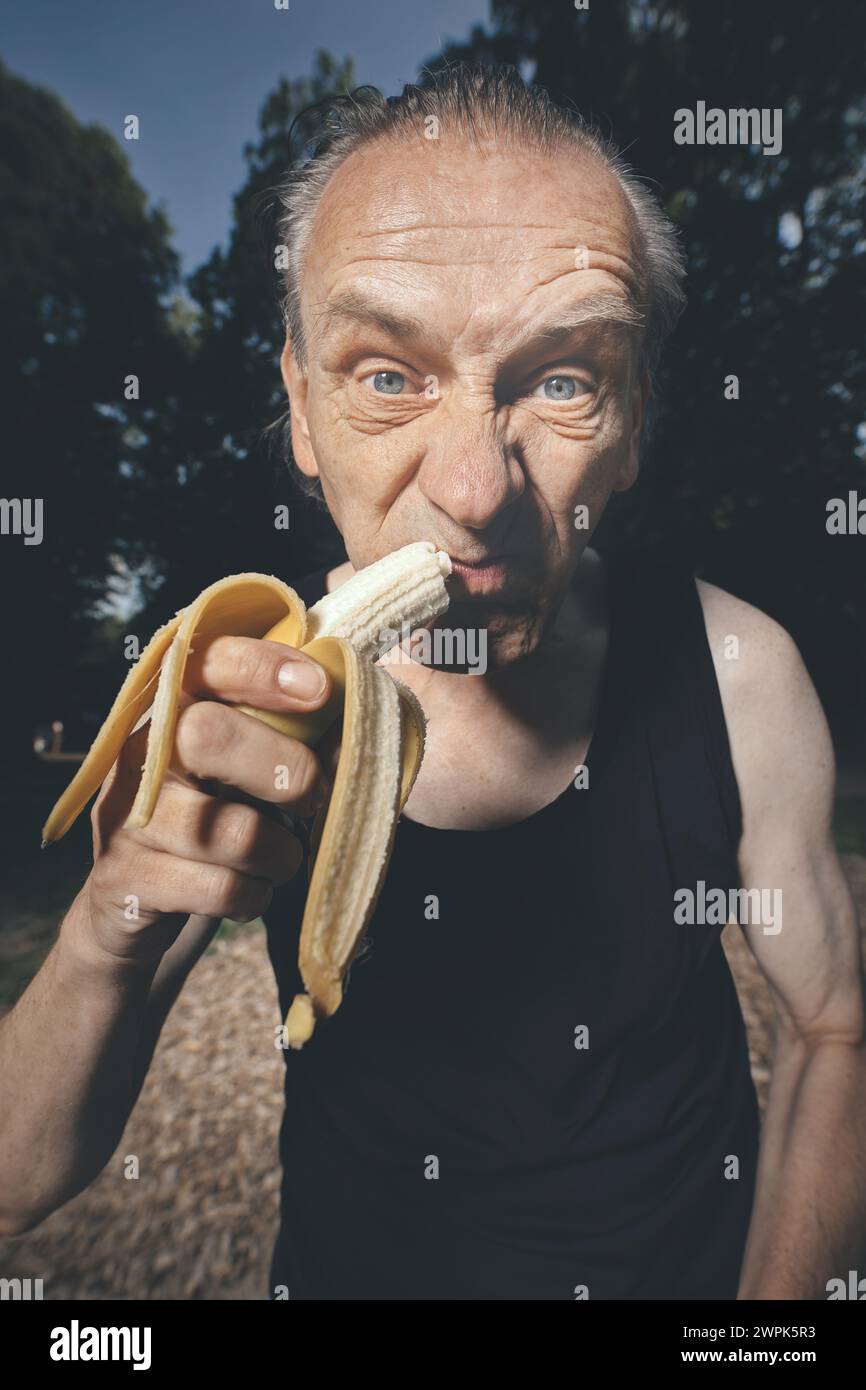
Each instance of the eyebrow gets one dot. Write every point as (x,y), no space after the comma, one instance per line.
(352,306)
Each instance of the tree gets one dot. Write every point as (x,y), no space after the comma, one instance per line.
(221,518)
(85,270)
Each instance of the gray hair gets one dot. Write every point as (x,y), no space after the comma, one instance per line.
(482,103)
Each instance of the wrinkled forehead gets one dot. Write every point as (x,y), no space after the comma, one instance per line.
(480,234)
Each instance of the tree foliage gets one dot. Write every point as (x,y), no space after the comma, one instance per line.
(85,270)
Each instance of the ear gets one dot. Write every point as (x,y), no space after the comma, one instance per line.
(640,390)
(295,382)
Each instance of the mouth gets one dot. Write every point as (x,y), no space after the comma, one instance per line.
(484,576)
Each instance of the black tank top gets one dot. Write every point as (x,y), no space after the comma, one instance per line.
(545,1088)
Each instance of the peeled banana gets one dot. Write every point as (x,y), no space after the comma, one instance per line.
(381,748)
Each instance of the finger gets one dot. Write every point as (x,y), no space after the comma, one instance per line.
(148,881)
(266,675)
(117,793)
(215,742)
(190,825)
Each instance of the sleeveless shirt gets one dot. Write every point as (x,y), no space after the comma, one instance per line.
(537,1085)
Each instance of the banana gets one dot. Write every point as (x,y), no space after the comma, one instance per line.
(381,749)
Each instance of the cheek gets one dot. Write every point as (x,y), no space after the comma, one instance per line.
(571,463)
(358,468)
(555,455)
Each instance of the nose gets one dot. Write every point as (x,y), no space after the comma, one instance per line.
(470,473)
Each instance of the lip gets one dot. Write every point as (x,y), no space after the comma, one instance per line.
(476,564)
(485,576)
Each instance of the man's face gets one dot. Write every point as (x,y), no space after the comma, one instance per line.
(434,405)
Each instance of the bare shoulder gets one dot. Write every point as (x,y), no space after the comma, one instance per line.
(780,743)
(783,761)
(745,642)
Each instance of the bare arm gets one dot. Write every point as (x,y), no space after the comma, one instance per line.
(168,982)
(75,1049)
(809,1216)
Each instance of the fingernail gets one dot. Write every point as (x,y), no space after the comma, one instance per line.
(303,679)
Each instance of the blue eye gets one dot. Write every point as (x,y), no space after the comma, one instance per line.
(560,388)
(388,383)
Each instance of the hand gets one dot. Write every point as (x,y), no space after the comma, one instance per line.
(207,850)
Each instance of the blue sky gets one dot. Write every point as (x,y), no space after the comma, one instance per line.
(197,71)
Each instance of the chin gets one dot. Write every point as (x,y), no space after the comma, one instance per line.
(513,642)
(508,636)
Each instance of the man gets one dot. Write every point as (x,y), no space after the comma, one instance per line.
(537,1085)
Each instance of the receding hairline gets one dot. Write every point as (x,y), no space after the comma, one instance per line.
(627,310)
(570,150)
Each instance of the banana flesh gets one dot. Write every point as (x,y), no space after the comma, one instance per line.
(381,747)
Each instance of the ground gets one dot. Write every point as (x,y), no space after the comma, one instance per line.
(200,1219)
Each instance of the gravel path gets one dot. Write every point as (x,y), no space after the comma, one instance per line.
(200,1219)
